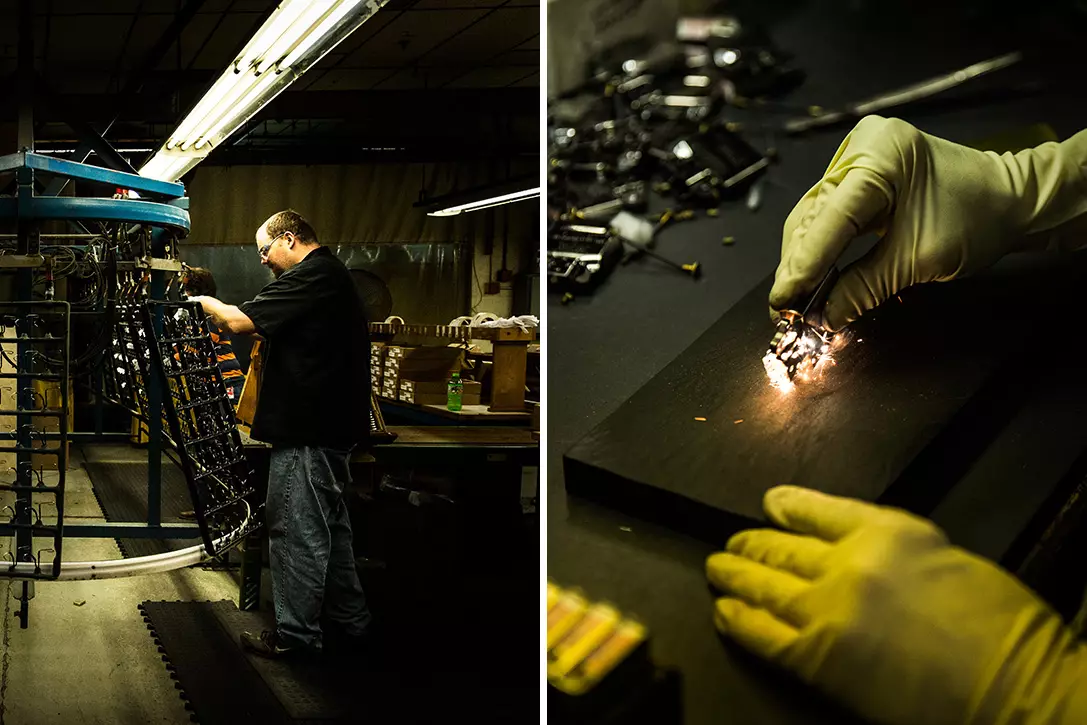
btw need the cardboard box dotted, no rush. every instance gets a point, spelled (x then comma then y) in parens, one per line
(425, 363)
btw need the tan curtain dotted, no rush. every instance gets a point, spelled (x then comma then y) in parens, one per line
(346, 204)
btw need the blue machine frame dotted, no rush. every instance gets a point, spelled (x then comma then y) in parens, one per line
(170, 213)
(166, 209)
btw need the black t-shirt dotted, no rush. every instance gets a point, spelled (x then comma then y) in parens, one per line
(315, 387)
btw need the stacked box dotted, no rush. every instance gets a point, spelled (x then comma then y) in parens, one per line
(390, 371)
(377, 366)
(425, 364)
(437, 392)
(418, 364)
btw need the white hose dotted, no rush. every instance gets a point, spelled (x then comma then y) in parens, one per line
(117, 568)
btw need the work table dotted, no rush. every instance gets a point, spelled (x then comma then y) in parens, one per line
(607, 346)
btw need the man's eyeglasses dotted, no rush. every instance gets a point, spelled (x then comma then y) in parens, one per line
(263, 251)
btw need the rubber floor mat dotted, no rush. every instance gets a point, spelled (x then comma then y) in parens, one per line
(121, 490)
(212, 674)
(223, 684)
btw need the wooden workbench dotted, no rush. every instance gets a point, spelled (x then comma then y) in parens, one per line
(509, 356)
(469, 415)
(444, 445)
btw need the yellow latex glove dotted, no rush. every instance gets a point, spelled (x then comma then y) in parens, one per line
(943, 210)
(873, 606)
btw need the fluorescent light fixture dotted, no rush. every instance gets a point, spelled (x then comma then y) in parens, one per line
(72, 149)
(169, 166)
(236, 111)
(294, 38)
(487, 203)
(330, 21)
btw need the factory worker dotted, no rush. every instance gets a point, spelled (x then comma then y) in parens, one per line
(869, 604)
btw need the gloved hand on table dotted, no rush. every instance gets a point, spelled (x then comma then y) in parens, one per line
(874, 607)
(942, 210)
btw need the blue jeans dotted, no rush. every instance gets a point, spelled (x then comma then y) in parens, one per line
(309, 542)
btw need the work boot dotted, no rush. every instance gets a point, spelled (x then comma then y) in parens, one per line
(266, 645)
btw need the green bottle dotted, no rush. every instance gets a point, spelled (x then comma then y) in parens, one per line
(456, 390)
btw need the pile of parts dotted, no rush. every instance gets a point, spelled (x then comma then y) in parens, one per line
(654, 119)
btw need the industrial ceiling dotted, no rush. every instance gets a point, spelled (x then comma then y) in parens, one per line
(422, 80)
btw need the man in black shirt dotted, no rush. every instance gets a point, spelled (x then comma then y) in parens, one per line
(313, 409)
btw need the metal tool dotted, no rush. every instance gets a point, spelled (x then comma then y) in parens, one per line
(580, 255)
(905, 95)
(693, 268)
(800, 338)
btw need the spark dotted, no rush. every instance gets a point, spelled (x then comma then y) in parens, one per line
(777, 372)
(803, 355)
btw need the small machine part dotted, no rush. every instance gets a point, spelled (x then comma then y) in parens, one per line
(598, 665)
(802, 347)
(694, 269)
(587, 641)
(707, 165)
(630, 197)
(651, 116)
(580, 255)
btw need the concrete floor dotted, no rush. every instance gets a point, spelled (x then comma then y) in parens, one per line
(87, 656)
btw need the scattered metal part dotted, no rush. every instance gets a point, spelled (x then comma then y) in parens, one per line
(694, 269)
(654, 120)
(754, 196)
(581, 255)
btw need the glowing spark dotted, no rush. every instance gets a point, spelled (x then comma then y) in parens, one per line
(803, 354)
(777, 372)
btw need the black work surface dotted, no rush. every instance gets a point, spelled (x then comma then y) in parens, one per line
(898, 420)
(604, 348)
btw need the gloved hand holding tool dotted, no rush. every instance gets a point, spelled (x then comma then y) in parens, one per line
(942, 210)
(874, 607)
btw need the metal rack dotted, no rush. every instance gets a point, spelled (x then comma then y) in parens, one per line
(201, 423)
(38, 332)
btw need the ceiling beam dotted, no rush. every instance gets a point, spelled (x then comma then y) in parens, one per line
(434, 107)
(422, 151)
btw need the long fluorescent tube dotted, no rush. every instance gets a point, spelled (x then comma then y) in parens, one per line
(278, 24)
(234, 91)
(238, 115)
(487, 203)
(294, 38)
(326, 25)
(307, 20)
